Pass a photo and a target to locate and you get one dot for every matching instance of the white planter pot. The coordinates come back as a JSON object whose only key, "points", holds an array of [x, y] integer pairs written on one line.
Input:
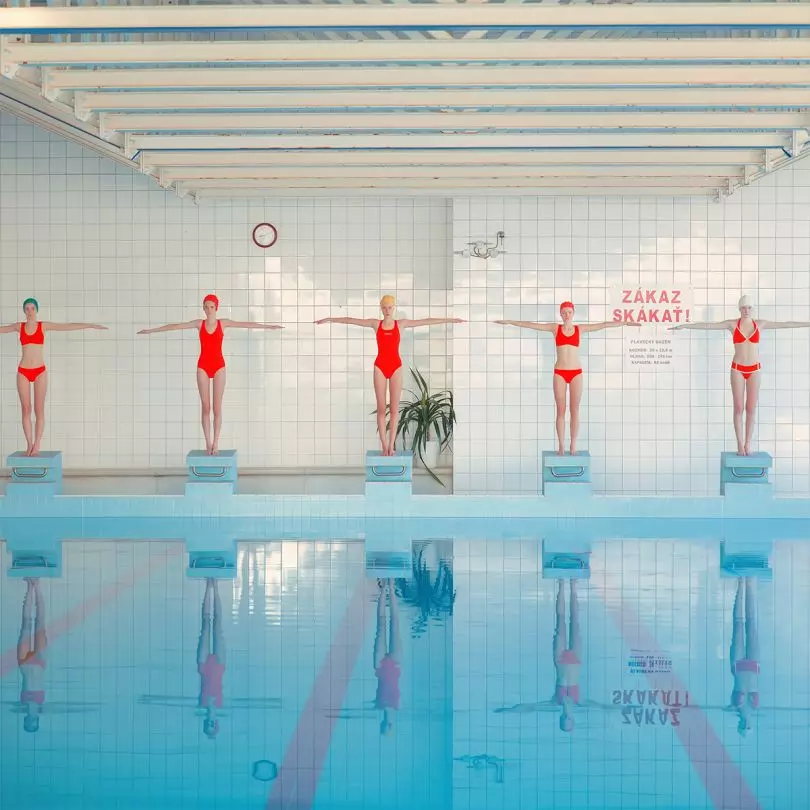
{"points": [[430, 455]]}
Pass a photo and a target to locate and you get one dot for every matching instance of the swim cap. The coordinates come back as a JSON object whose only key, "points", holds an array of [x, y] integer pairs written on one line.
{"points": [[212, 298], [31, 301], [566, 305], [745, 301], [388, 299]]}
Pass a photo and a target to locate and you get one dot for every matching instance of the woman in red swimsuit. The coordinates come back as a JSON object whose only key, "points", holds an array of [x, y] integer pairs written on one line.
{"points": [[211, 659], [387, 657], [388, 365], [211, 365], [744, 654], [31, 370], [745, 334], [567, 369], [31, 648]]}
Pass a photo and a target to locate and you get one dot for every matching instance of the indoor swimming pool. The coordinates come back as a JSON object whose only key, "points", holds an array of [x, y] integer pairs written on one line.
{"points": [[640, 671]]}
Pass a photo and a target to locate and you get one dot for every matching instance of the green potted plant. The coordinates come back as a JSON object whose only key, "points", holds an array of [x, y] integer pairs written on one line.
{"points": [[425, 422]]}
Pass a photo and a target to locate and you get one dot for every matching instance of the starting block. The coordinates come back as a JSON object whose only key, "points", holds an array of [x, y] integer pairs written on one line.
{"points": [[388, 552], [35, 549], [746, 477], [389, 477], [566, 475], [566, 557], [211, 475], [35, 475], [211, 554], [746, 558]]}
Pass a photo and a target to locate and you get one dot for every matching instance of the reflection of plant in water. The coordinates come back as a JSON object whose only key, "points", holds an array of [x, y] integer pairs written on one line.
{"points": [[433, 597]]}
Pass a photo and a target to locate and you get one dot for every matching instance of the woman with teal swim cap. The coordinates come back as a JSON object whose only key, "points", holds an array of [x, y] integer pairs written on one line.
{"points": [[32, 371]]}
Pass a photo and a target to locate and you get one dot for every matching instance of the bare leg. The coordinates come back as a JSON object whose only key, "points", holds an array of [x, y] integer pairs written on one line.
{"points": [[751, 623], [40, 638], [559, 386], [24, 643], [574, 398], [575, 637], [380, 643], [380, 385], [395, 641], [204, 644], [395, 393], [24, 392], [204, 387], [736, 652], [219, 639], [40, 392], [738, 395], [751, 398], [558, 643], [219, 390]]}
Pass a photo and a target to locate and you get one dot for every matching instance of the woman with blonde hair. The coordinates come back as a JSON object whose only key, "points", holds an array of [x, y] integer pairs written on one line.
{"points": [[388, 365]]}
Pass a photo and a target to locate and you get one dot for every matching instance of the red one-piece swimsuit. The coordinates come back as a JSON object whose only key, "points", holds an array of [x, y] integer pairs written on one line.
{"points": [[388, 359], [211, 359]]}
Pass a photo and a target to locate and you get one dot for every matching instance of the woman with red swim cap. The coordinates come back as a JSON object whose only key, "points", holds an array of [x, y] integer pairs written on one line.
{"points": [[31, 373], [211, 364], [567, 369], [745, 333], [388, 365]]}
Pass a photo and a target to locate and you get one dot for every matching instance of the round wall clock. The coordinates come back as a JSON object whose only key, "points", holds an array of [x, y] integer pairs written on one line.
{"points": [[265, 235]]}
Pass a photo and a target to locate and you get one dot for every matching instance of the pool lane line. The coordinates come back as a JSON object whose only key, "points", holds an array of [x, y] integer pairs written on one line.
{"points": [[77, 614], [306, 753], [721, 776]]}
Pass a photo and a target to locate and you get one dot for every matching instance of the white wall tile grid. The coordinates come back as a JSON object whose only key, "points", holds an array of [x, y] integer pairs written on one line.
{"points": [[96, 242], [647, 432]]}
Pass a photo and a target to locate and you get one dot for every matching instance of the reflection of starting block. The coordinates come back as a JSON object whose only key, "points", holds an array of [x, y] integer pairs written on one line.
{"points": [[746, 559], [211, 475], [389, 551], [211, 554], [35, 549], [567, 475], [566, 558], [388, 477], [746, 477], [35, 475]]}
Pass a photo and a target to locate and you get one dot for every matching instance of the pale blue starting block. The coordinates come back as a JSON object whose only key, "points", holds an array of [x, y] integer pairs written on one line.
{"points": [[389, 477], [34, 548], [567, 475], [211, 475], [33, 476], [746, 558], [566, 557], [746, 477], [211, 554], [389, 552]]}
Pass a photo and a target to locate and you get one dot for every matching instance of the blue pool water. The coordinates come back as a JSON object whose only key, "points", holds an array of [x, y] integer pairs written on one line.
{"points": [[328, 703]]}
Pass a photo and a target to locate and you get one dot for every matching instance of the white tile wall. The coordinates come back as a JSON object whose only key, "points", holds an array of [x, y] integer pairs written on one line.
{"points": [[97, 242], [647, 432]]}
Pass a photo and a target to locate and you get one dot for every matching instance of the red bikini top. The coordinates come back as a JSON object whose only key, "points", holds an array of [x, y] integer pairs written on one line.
{"points": [[739, 337], [38, 337], [561, 339]]}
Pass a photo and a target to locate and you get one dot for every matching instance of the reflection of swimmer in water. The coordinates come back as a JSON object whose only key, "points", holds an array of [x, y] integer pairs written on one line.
{"points": [[744, 654], [567, 653], [387, 657], [211, 659], [31, 655]]}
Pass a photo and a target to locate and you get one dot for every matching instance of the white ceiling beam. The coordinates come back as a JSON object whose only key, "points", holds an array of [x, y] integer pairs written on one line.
{"points": [[390, 157], [459, 50], [401, 16], [90, 102], [192, 173], [58, 79], [274, 194], [704, 140], [575, 121], [457, 182]]}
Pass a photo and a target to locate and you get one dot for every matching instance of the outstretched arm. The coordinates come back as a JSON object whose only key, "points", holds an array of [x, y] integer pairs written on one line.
{"points": [[7, 330], [407, 324], [249, 324], [70, 327], [367, 322], [538, 327], [783, 324], [172, 327], [598, 327], [719, 326]]}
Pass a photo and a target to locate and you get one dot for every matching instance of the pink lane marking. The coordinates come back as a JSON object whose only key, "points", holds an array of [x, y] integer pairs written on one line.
{"points": [[76, 615], [720, 775], [300, 772]]}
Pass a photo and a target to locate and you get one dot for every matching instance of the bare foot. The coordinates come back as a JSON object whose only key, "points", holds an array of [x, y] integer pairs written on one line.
{"points": [[28, 448], [34, 450], [560, 450], [747, 450], [392, 450], [214, 450], [573, 449], [383, 447]]}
